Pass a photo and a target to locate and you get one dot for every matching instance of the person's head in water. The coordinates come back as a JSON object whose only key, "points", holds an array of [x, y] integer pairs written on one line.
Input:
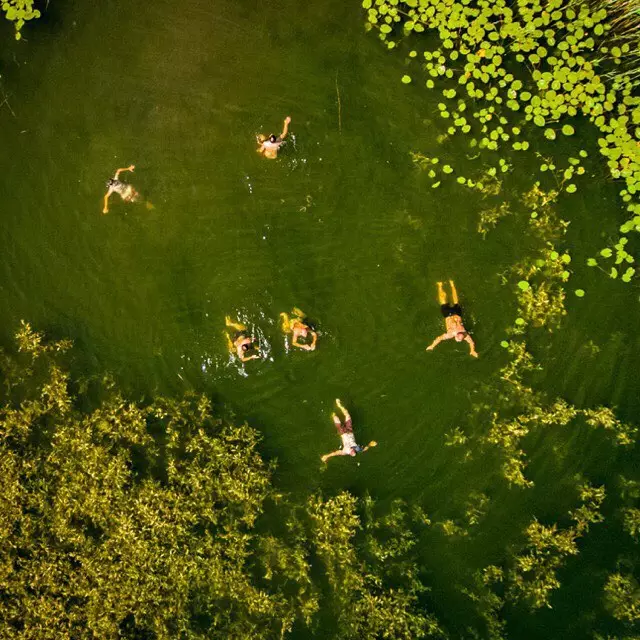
{"points": [[110, 182], [246, 347], [460, 336], [273, 138]]}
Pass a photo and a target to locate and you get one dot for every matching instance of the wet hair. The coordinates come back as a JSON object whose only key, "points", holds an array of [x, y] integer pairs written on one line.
{"points": [[273, 138], [245, 347], [110, 182]]}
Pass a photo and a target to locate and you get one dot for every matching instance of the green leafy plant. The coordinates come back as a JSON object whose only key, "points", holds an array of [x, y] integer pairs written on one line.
{"points": [[19, 12]]}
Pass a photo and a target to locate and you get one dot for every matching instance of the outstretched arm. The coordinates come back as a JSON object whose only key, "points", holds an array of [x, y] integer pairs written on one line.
{"points": [[437, 341], [247, 358], [105, 208], [337, 452], [285, 128], [373, 443], [131, 167], [472, 345]]}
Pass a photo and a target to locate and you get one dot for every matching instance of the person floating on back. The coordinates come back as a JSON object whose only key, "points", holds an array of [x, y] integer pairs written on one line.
{"points": [[268, 145], [123, 189], [298, 325], [453, 320], [349, 445], [241, 342]]}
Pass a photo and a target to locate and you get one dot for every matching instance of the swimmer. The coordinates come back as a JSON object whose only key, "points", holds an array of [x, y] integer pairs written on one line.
{"points": [[123, 189], [241, 342], [453, 320], [269, 145], [349, 445], [300, 328]]}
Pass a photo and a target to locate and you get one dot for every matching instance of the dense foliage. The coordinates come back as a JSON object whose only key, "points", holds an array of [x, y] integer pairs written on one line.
{"points": [[139, 520]]}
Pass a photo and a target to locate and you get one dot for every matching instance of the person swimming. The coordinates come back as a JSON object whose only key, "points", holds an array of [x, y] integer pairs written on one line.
{"points": [[299, 327], [123, 189], [241, 342], [345, 430], [269, 145], [453, 320]]}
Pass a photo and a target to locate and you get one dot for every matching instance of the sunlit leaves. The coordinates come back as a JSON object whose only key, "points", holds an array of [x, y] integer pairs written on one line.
{"points": [[19, 12]]}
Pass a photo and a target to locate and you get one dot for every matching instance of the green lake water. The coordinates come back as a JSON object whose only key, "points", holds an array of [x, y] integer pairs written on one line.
{"points": [[341, 225]]}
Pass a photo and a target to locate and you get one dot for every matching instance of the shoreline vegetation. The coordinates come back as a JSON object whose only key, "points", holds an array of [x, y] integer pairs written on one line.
{"points": [[157, 519], [513, 74]]}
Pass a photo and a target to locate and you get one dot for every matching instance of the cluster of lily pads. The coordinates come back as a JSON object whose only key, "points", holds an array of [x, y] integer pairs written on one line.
{"points": [[507, 70], [19, 12]]}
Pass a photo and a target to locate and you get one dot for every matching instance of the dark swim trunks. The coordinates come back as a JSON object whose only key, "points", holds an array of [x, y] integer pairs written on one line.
{"points": [[451, 310]]}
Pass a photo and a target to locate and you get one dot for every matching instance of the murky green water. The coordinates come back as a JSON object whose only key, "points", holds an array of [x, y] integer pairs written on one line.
{"points": [[341, 225]]}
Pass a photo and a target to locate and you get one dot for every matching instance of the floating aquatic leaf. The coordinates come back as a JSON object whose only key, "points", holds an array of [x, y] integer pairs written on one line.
{"points": [[592, 262], [435, 185], [568, 130], [550, 134], [539, 120], [566, 258], [579, 293], [524, 285], [613, 273], [406, 79], [571, 188], [628, 274], [447, 169], [520, 321], [606, 253], [504, 344]]}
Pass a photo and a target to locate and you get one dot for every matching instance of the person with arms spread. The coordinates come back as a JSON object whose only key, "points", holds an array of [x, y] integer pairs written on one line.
{"points": [[349, 445], [268, 145], [453, 320], [123, 189]]}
